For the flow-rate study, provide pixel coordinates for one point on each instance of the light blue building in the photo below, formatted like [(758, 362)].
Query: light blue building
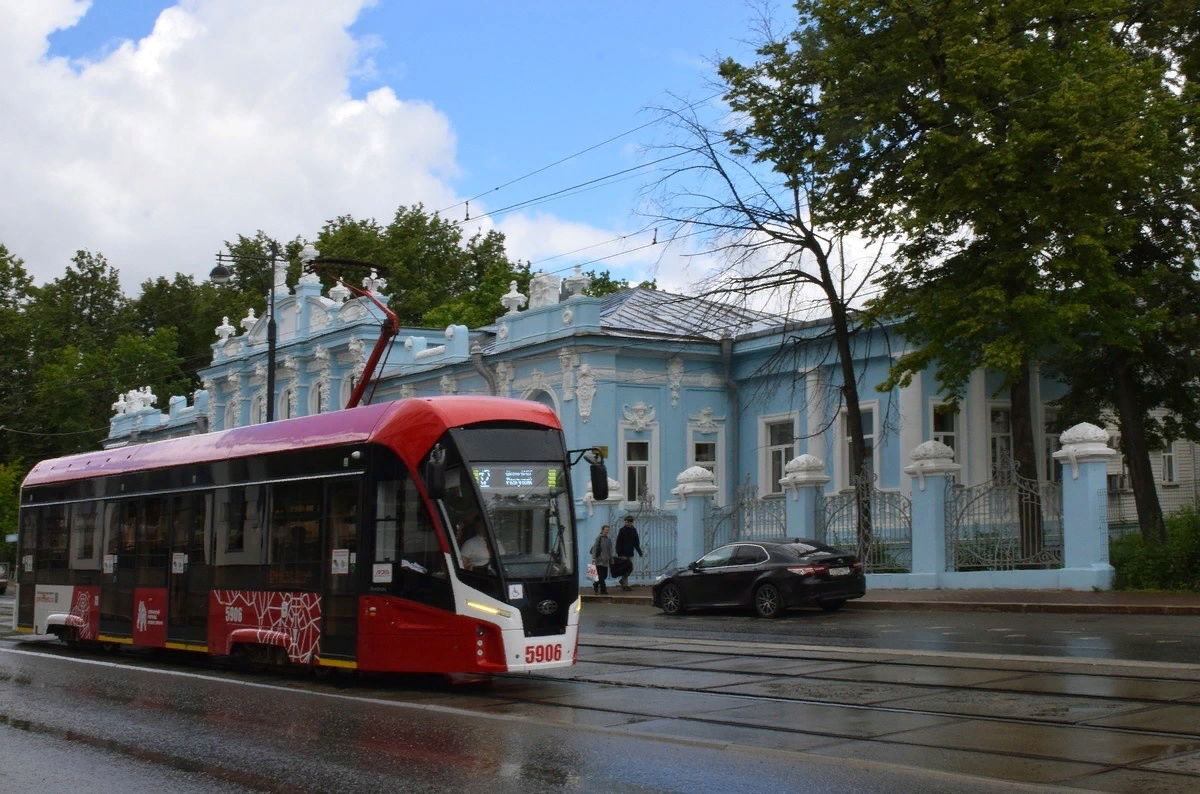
[(686, 397)]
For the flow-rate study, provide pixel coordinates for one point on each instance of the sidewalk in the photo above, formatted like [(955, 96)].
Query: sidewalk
[(1086, 602)]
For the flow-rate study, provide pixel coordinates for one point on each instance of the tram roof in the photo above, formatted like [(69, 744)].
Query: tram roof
[(427, 416)]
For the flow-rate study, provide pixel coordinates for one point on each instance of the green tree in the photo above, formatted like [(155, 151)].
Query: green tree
[(192, 310), (11, 475), (16, 342), (603, 283), (1023, 154), (486, 276), (84, 307)]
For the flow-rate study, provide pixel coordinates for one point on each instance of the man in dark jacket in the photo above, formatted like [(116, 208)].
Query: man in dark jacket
[(627, 543)]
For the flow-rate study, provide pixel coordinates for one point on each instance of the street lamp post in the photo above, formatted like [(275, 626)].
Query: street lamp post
[(221, 275)]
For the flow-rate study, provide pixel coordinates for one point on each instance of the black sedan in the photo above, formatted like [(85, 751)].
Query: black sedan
[(771, 577)]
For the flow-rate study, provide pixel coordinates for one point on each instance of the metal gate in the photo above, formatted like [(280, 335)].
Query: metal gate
[(890, 519), (747, 518), (1010, 523), (657, 530)]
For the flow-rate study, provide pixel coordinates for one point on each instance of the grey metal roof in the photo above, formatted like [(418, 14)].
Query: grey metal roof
[(655, 313)]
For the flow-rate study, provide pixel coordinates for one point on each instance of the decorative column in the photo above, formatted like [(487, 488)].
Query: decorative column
[(1084, 458), (803, 480), (932, 466), (694, 490)]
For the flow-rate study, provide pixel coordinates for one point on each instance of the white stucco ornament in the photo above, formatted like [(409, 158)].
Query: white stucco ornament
[(543, 289), (931, 458), (1083, 443), (694, 481), (225, 330), (339, 292), (577, 282), (249, 320), (932, 451), (803, 471), (512, 300)]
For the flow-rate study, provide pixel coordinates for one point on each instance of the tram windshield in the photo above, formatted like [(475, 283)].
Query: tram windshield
[(515, 511)]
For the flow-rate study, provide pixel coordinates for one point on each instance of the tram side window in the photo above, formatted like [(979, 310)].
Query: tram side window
[(343, 533), (189, 521), (85, 544), (405, 535), (295, 535), (28, 538), (52, 558), (239, 532), (152, 544)]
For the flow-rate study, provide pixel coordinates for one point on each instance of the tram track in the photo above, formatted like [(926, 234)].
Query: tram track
[(1147, 738)]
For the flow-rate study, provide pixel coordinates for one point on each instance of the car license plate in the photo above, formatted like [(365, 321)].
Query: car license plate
[(839, 571)]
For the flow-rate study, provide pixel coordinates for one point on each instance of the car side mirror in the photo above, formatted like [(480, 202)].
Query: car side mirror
[(693, 566), (435, 473)]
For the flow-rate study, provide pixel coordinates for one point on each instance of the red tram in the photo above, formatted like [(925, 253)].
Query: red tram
[(333, 540)]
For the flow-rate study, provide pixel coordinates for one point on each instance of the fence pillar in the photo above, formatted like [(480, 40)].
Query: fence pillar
[(1084, 458), (931, 468), (695, 488), (803, 480)]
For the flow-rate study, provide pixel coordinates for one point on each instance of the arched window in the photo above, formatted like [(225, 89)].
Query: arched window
[(233, 414), (318, 398), (258, 410), (284, 409)]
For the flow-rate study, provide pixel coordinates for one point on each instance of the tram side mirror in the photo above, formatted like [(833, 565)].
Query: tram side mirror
[(599, 477), (435, 473)]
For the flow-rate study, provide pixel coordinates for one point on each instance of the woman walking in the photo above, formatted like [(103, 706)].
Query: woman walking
[(602, 552)]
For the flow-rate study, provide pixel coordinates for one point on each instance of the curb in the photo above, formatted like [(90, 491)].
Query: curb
[(1031, 607), (1187, 610)]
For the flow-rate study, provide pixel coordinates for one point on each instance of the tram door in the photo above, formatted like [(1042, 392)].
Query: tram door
[(190, 575), (343, 499), (119, 567)]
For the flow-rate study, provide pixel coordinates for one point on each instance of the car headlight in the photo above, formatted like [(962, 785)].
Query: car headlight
[(661, 576)]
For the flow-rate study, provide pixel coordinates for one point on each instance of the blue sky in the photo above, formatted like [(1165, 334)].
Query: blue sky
[(160, 135)]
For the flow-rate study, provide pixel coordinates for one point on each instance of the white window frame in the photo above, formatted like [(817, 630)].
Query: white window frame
[(991, 451), (717, 437), (627, 432), (283, 408), (315, 392), (1167, 465), (843, 444), (767, 485), (258, 408), (348, 383), (957, 432), (233, 413), (1050, 445)]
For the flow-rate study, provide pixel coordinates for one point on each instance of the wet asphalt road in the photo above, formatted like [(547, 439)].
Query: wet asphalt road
[(84, 722), (1168, 639)]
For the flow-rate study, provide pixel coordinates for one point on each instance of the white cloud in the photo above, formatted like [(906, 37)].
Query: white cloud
[(228, 117)]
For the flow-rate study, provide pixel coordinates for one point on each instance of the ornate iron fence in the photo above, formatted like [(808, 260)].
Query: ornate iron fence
[(657, 530), (1008, 523), (747, 518), (889, 549)]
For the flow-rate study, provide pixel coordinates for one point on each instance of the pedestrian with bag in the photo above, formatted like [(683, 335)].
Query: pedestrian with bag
[(602, 554), (627, 543)]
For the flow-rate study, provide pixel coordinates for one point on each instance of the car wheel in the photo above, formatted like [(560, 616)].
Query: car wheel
[(833, 605), (671, 599), (767, 602)]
